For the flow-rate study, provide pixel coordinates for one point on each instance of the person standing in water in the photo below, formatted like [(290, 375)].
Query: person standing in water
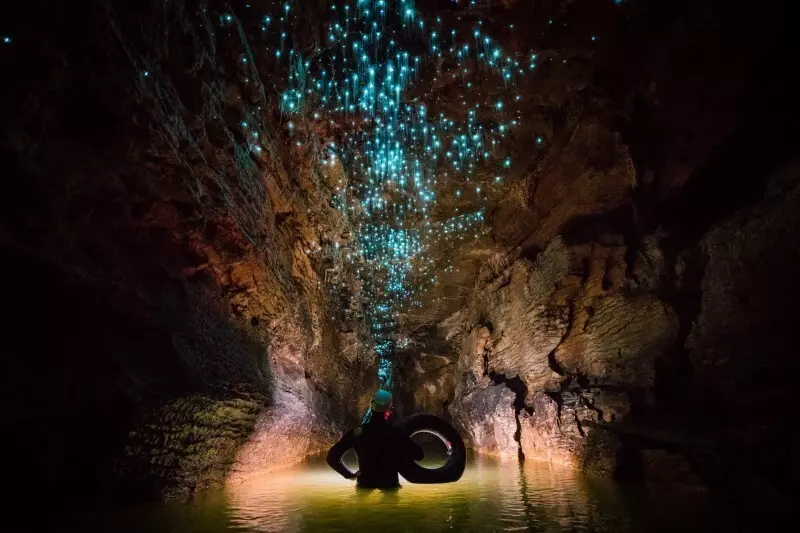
[(381, 448)]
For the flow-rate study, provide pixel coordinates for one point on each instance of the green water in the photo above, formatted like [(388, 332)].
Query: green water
[(491, 497)]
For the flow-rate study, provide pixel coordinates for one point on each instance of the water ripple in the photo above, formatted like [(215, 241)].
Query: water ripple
[(492, 496)]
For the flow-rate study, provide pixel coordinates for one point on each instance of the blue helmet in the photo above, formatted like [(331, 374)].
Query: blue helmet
[(381, 401)]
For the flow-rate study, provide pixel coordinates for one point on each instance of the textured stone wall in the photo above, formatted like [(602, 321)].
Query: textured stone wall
[(574, 347), (629, 313), (182, 275), (179, 301), (563, 365)]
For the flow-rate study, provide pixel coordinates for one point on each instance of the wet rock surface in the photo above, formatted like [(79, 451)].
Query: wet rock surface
[(488, 416), (595, 343), (193, 324), (622, 260), (183, 312)]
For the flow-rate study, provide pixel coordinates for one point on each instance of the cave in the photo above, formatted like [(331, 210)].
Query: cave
[(565, 227)]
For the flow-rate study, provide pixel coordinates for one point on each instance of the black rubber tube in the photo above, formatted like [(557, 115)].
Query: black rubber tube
[(456, 458)]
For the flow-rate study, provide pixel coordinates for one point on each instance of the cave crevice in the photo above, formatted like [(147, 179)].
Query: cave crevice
[(520, 390)]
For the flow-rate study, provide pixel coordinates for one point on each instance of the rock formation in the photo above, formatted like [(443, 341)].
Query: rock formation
[(621, 263), (190, 293), (180, 312)]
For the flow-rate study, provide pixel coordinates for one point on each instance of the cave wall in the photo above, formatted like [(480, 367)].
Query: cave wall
[(601, 375), (169, 295), (176, 295), (632, 316), (425, 381)]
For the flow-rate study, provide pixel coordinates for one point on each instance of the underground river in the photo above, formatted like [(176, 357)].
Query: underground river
[(491, 496)]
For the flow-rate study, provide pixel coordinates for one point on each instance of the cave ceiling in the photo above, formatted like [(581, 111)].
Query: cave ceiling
[(494, 95), (440, 118), (451, 135)]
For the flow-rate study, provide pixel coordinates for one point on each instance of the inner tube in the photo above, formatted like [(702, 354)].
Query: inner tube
[(456, 452)]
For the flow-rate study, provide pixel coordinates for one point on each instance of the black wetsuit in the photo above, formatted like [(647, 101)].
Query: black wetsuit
[(380, 448)]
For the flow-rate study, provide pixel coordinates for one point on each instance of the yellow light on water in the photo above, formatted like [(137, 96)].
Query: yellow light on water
[(492, 496)]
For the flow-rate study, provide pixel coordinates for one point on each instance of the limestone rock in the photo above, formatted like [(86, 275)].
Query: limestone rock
[(740, 344), (650, 266), (620, 339), (542, 437), (588, 170), (522, 324), (189, 445), (488, 417), (555, 429), (282, 436), (433, 384)]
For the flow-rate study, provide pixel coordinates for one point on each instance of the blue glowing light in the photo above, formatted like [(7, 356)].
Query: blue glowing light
[(397, 154)]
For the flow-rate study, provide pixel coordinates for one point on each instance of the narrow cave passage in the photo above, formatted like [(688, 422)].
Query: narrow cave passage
[(567, 229)]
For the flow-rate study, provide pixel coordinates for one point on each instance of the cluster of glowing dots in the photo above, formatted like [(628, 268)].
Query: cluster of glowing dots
[(400, 151), (366, 73)]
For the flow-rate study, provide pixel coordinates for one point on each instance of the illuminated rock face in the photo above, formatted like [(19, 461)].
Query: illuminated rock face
[(533, 323), (620, 284), (489, 418), (189, 235), (595, 340), (427, 385), (191, 288)]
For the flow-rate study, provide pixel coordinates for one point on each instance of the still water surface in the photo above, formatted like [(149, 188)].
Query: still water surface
[(491, 497)]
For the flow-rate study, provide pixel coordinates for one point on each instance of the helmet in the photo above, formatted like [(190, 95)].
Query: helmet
[(381, 401)]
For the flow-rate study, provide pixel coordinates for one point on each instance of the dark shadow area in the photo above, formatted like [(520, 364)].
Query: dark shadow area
[(119, 368), (93, 365)]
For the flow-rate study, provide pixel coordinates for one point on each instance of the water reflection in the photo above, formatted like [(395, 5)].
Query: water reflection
[(491, 497)]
